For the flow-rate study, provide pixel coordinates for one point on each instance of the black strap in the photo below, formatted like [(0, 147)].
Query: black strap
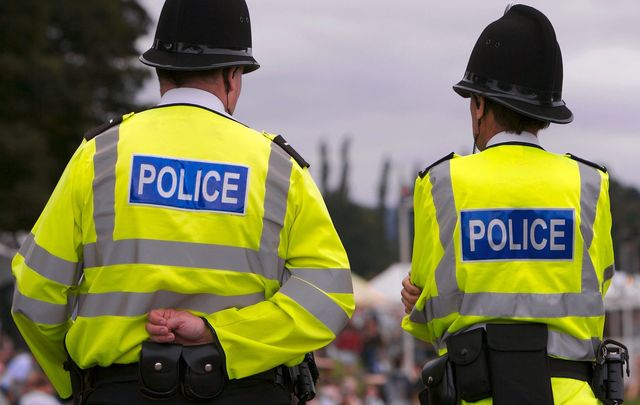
[(117, 373), (276, 375), (577, 370), (281, 142), (102, 128), (437, 162), (587, 162)]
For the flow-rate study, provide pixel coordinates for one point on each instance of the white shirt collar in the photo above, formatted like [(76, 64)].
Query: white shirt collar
[(188, 95), (504, 137)]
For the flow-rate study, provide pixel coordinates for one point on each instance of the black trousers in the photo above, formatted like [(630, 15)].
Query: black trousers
[(243, 392)]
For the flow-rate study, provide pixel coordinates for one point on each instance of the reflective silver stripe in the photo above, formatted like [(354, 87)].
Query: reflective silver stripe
[(589, 278), (277, 186), (135, 304), (450, 296), (446, 215), (275, 198), (515, 305), (41, 312), (418, 316), (441, 306), (589, 193), (104, 182), (318, 304), (180, 254), (532, 305), (49, 266), (568, 347), (328, 280), (608, 273)]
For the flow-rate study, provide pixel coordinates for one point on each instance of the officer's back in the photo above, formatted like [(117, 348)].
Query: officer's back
[(184, 256), (513, 248)]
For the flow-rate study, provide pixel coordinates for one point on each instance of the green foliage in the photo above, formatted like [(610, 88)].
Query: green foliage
[(67, 66), (362, 229), (625, 212)]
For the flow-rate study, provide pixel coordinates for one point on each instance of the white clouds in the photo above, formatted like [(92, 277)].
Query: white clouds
[(382, 71), (610, 68)]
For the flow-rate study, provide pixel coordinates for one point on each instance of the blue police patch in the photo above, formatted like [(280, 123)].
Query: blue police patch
[(187, 184), (517, 234)]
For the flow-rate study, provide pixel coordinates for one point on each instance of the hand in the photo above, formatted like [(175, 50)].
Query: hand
[(410, 294), (173, 326)]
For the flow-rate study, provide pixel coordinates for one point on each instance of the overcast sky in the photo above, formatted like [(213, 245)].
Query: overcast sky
[(381, 72)]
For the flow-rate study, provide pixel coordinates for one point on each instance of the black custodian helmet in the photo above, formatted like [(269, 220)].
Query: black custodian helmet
[(517, 62), (202, 35)]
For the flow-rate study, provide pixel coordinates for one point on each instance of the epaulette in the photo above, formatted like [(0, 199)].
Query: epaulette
[(426, 170), (89, 135), (280, 141), (586, 162)]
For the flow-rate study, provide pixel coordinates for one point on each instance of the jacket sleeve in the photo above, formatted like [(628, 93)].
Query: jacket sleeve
[(312, 306), (46, 271), (601, 249), (427, 253)]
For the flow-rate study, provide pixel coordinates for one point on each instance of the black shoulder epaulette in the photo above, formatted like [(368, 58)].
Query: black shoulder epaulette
[(426, 170), (586, 162), (89, 135), (280, 141)]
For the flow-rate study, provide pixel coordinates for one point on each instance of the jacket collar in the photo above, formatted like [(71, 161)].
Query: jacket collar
[(188, 95), (505, 137)]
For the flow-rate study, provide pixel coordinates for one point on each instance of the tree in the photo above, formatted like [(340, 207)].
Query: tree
[(343, 187), (66, 67), (324, 168), (361, 228), (625, 212)]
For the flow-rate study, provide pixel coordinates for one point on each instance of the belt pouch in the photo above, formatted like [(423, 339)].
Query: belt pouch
[(468, 354), (160, 369), (437, 376), (203, 375), (519, 364)]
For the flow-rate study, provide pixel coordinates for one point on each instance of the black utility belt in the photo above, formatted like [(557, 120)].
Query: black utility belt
[(166, 369), (163, 371), (198, 372), (120, 373), (509, 363)]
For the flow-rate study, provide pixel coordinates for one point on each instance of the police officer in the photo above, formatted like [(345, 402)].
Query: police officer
[(513, 252), (183, 256)]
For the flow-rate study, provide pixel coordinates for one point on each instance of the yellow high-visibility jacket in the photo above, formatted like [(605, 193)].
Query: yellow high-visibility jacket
[(181, 207), (513, 234)]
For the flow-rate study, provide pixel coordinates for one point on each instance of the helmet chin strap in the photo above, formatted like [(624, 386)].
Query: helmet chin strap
[(226, 105), (475, 140), (477, 133), (227, 85)]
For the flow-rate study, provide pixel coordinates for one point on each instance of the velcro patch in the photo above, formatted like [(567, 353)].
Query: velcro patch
[(188, 184), (517, 234)]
